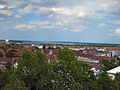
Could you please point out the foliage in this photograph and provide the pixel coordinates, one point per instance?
(58, 48)
(3, 79)
(44, 47)
(11, 54)
(1, 46)
(34, 72)
(64, 54)
(108, 64)
(104, 82)
(50, 47)
(117, 82)
(1, 55)
(8, 65)
(74, 75)
(15, 83)
(118, 58)
(13, 50)
(36, 48)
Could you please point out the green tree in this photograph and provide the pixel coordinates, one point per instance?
(1, 47)
(64, 54)
(58, 48)
(105, 82)
(118, 58)
(72, 73)
(15, 83)
(1, 55)
(108, 64)
(44, 47)
(11, 54)
(34, 71)
(3, 79)
(117, 82)
(9, 65)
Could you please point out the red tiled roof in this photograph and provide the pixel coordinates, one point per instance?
(98, 66)
(3, 52)
(46, 51)
(51, 57)
(55, 51)
(18, 53)
(111, 48)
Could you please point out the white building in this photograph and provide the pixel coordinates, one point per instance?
(40, 46)
(7, 41)
(113, 71)
(87, 60)
(115, 52)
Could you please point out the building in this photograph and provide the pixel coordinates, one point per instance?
(113, 71)
(115, 53)
(7, 41)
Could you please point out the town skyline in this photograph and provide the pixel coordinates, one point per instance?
(90, 21)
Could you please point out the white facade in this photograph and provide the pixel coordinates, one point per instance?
(87, 60)
(40, 47)
(113, 71)
(7, 41)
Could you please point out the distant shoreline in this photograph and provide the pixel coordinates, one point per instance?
(62, 42)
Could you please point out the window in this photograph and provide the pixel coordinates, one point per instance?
(111, 77)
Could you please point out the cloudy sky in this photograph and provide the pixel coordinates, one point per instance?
(66, 20)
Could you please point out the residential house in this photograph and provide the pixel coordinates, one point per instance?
(113, 72)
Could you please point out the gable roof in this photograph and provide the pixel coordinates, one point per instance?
(114, 70)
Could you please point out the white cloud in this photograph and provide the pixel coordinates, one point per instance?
(47, 27)
(79, 28)
(110, 34)
(26, 10)
(39, 22)
(114, 21)
(66, 8)
(1, 19)
(2, 6)
(43, 11)
(111, 30)
(102, 25)
(59, 23)
(43, 25)
(64, 13)
(47, 24)
(15, 4)
(6, 12)
(24, 27)
(79, 8)
(116, 32)
(17, 16)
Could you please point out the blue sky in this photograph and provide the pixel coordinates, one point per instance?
(96, 21)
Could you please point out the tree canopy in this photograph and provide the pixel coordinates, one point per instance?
(1, 55)
(34, 72)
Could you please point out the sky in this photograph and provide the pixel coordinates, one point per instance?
(94, 21)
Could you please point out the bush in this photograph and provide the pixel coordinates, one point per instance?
(10, 54)
(1, 55)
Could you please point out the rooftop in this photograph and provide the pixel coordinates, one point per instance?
(114, 70)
